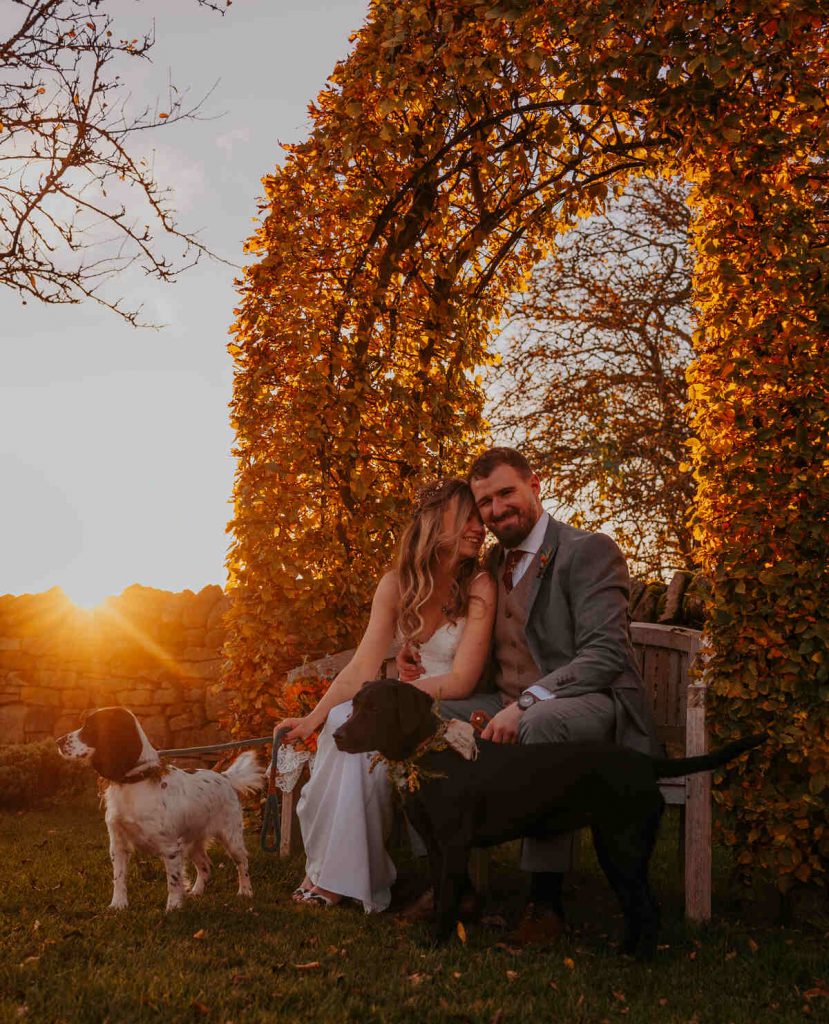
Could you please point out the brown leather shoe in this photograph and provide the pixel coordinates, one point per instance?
(423, 907)
(539, 926)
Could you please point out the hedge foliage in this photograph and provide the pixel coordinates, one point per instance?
(447, 152)
(30, 772)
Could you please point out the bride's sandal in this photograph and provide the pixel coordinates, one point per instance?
(319, 899)
(302, 890)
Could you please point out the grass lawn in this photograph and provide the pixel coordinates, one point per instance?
(65, 958)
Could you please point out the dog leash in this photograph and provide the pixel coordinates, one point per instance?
(271, 817)
(271, 812)
(260, 741)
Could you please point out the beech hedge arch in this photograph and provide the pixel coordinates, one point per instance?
(458, 139)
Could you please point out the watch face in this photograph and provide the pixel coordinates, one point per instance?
(526, 700)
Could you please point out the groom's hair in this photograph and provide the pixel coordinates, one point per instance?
(489, 460)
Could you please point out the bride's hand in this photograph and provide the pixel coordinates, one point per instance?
(409, 665)
(298, 729)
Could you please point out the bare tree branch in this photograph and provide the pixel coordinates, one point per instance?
(78, 205)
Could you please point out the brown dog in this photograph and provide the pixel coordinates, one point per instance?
(536, 790)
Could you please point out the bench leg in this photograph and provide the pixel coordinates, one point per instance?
(697, 813)
(698, 848)
(479, 870)
(290, 836)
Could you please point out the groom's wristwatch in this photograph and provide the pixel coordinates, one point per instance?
(526, 700)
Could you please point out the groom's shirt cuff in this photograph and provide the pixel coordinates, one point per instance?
(539, 691)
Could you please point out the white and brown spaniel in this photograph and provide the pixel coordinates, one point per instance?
(164, 810)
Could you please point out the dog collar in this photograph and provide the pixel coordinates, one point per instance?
(452, 735)
(156, 770)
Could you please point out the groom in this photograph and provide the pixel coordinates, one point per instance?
(563, 666)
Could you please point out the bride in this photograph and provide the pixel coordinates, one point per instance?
(437, 599)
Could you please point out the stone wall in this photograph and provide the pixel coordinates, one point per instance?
(155, 652)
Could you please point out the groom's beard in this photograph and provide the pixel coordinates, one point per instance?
(517, 528)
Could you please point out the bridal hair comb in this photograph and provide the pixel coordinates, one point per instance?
(425, 496)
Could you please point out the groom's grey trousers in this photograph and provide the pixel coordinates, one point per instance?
(591, 716)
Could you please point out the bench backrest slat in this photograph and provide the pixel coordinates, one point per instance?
(666, 655)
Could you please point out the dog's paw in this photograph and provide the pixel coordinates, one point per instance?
(245, 890)
(174, 904)
(118, 903)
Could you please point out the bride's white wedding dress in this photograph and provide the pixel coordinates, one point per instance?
(345, 812)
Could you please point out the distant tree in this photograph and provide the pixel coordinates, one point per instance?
(592, 382)
(78, 203)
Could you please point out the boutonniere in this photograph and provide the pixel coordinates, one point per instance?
(544, 560)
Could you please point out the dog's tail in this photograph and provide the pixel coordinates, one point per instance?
(245, 774)
(665, 768)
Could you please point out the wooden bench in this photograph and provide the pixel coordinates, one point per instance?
(666, 655)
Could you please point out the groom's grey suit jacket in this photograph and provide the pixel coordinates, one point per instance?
(578, 626)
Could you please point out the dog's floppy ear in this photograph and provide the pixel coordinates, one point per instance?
(414, 711)
(113, 735)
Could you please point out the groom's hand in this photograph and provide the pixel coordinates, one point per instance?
(408, 662)
(503, 728)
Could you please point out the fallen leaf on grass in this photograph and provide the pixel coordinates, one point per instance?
(312, 965)
(459, 928)
(663, 1001)
(456, 974)
(200, 934)
(511, 975)
(620, 996)
(29, 960)
(753, 946)
(416, 978)
(201, 1008)
(569, 963)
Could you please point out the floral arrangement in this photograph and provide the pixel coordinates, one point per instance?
(544, 560)
(297, 698)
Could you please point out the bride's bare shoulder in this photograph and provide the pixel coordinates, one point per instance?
(483, 585)
(388, 589)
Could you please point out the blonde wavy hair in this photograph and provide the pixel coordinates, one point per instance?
(423, 544)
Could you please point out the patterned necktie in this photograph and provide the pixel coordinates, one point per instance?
(513, 558)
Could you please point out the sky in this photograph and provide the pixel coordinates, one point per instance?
(115, 445)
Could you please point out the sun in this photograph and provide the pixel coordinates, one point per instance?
(88, 600)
